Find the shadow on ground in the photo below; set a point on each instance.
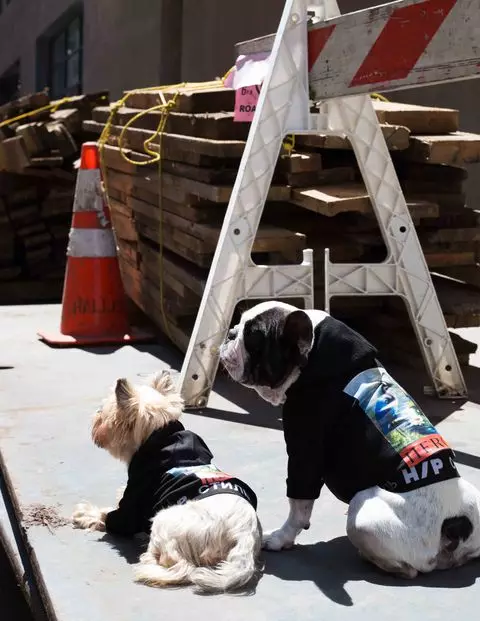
(129, 549)
(333, 564)
(330, 565)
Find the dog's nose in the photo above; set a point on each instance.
(232, 334)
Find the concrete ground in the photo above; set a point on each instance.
(47, 397)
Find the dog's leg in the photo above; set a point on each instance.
(399, 532)
(379, 533)
(89, 517)
(298, 520)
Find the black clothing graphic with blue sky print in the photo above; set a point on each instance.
(350, 426)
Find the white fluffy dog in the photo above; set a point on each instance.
(203, 524)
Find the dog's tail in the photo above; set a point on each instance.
(235, 572)
(153, 574)
(455, 530)
(214, 546)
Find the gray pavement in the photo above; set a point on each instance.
(47, 399)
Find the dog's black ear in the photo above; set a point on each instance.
(298, 330)
(124, 391)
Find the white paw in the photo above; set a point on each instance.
(89, 517)
(277, 540)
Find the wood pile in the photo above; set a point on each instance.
(37, 186)
(317, 199)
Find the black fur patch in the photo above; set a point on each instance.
(273, 350)
(456, 529)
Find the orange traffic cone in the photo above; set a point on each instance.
(94, 302)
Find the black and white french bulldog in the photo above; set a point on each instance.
(350, 426)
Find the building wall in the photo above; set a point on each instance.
(21, 23)
(121, 44)
(212, 27)
(134, 43)
(122, 41)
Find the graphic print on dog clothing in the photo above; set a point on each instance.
(425, 456)
(164, 472)
(206, 480)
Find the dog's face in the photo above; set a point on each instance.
(268, 348)
(131, 413)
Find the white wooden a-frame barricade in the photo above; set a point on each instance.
(340, 59)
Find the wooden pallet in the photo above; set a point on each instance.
(168, 215)
(37, 185)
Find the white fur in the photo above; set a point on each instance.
(212, 543)
(89, 517)
(400, 533)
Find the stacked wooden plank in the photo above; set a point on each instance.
(168, 215)
(37, 185)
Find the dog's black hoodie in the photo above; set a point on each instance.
(350, 426)
(171, 467)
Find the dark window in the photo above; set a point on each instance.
(10, 84)
(66, 60)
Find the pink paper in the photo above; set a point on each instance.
(246, 99)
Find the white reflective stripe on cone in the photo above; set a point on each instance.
(89, 195)
(91, 243)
